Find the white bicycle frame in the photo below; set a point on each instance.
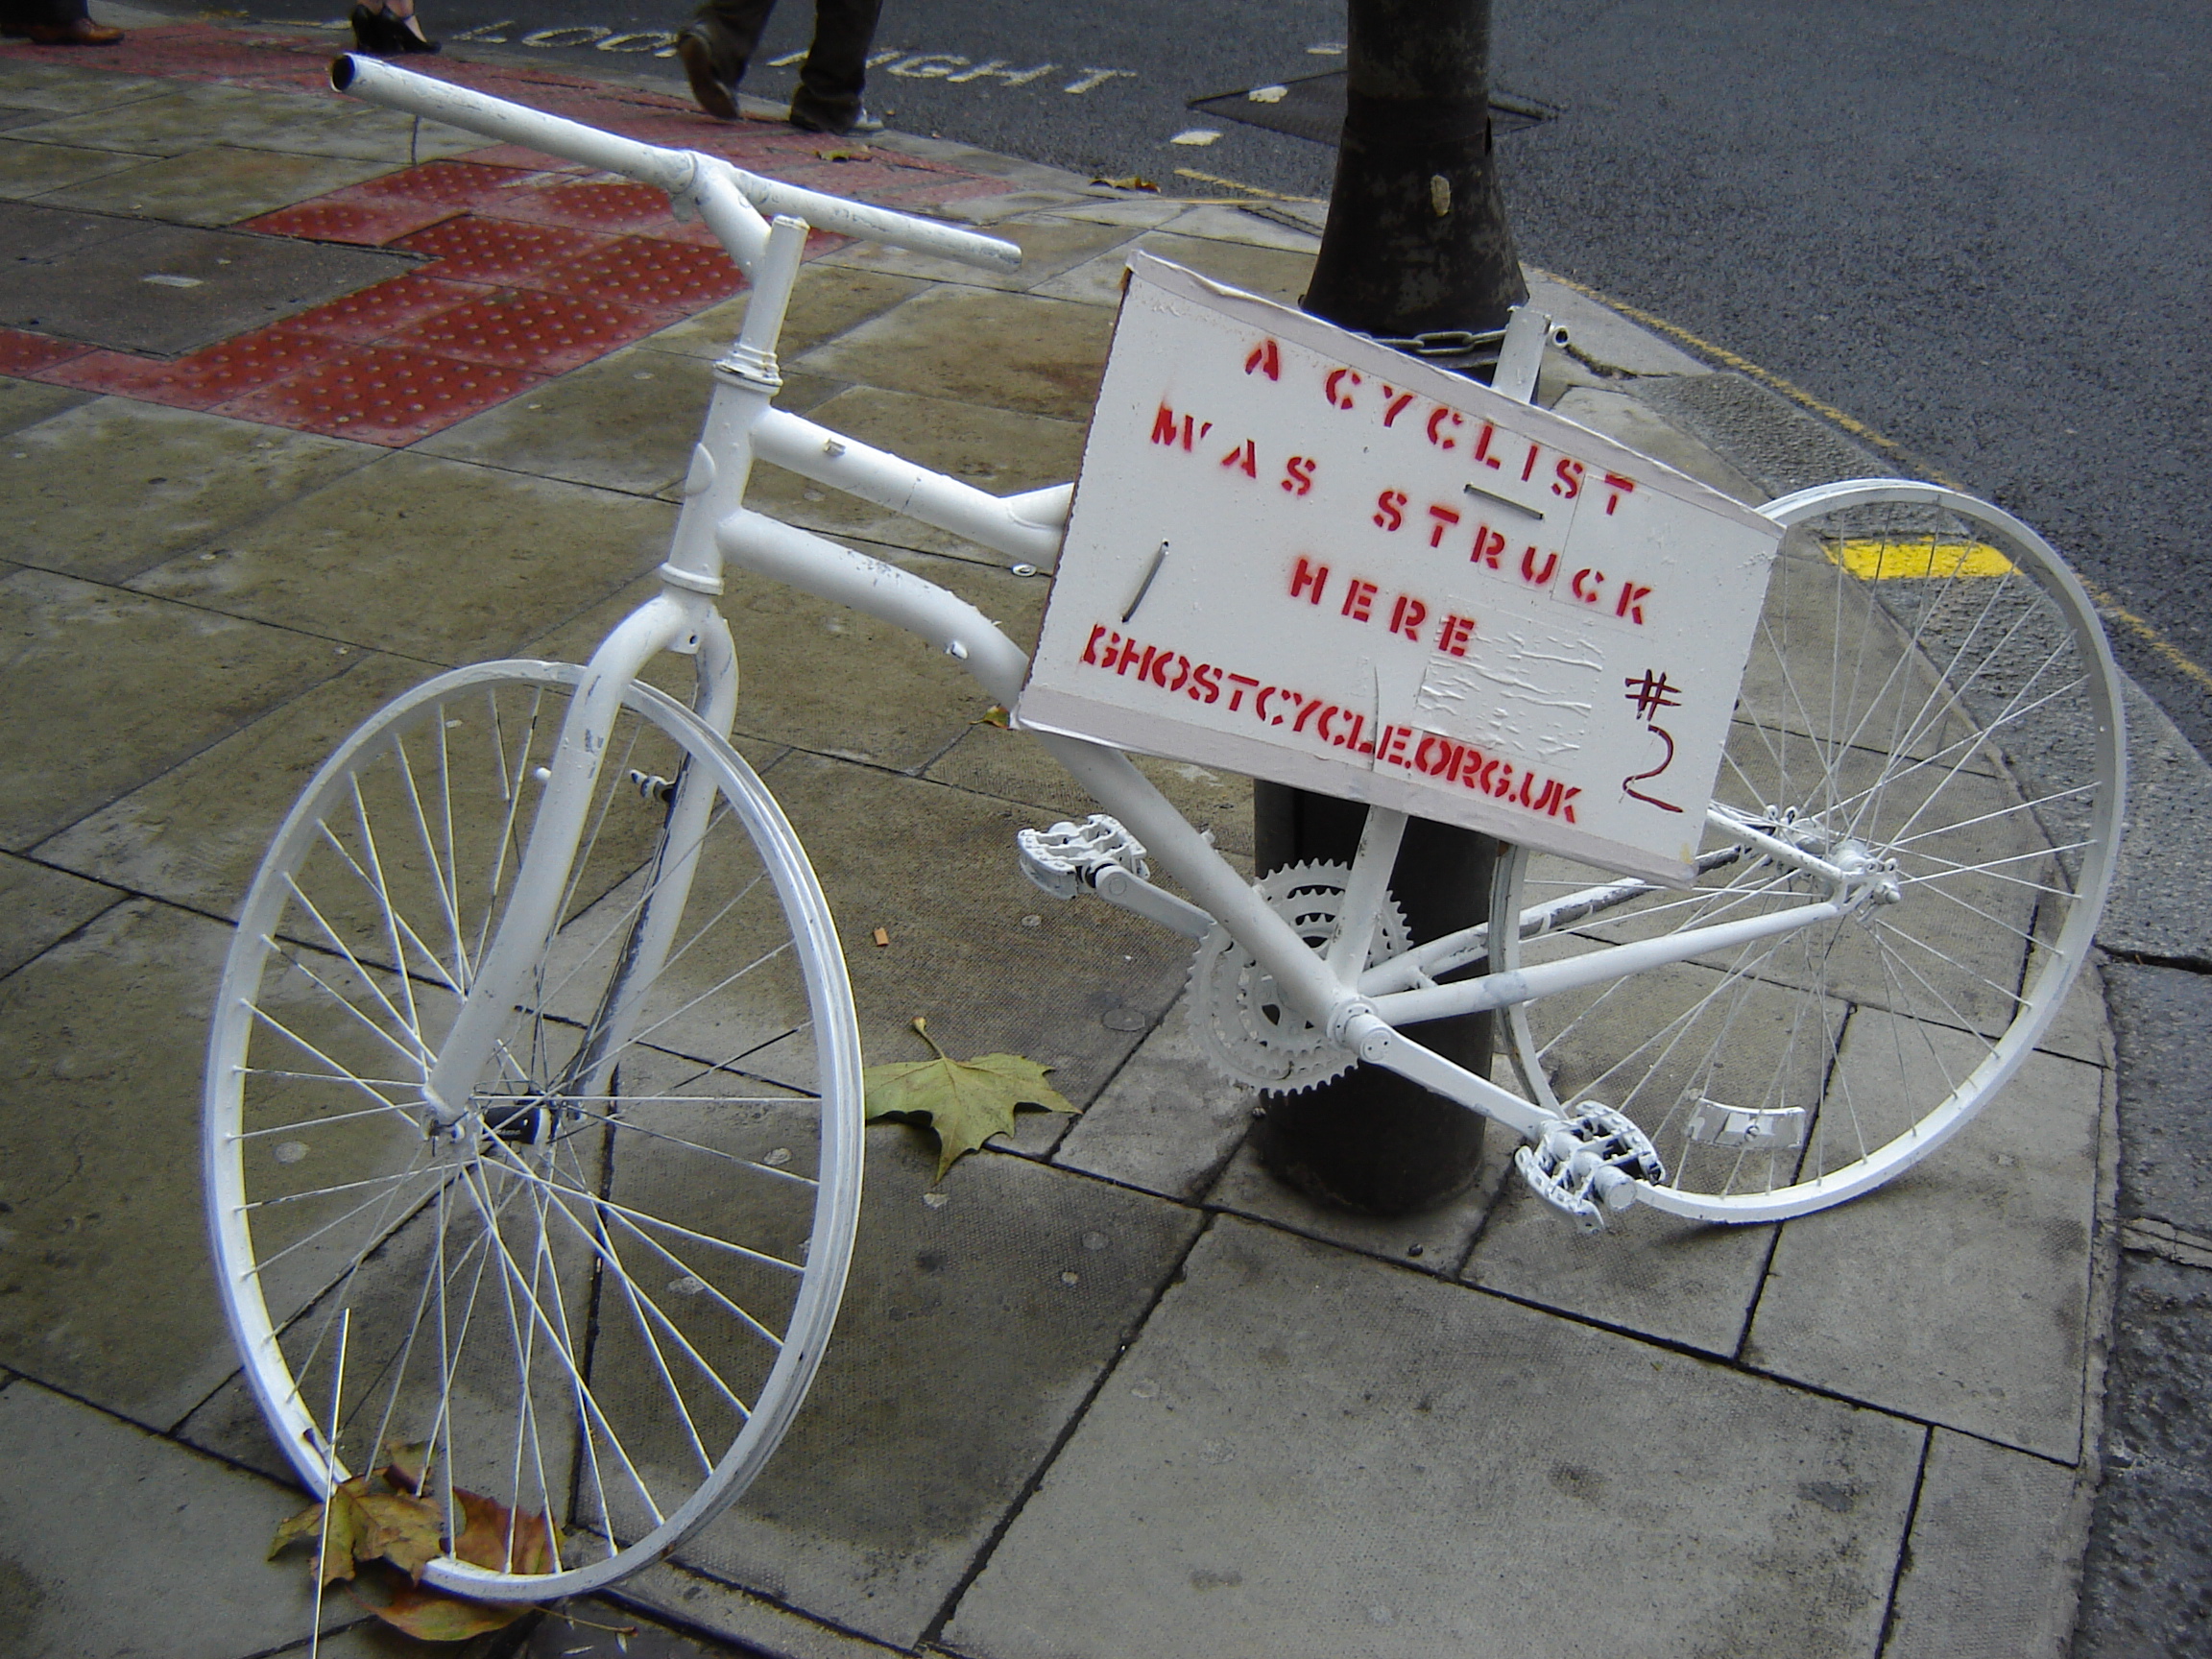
(1359, 1007)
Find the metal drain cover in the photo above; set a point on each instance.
(1313, 106)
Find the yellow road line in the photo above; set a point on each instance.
(1248, 189)
(1887, 561)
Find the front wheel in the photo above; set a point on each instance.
(1929, 691)
(598, 1296)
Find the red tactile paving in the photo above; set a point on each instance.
(376, 312)
(455, 184)
(26, 353)
(366, 223)
(472, 248)
(589, 204)
(543, 333)
(643, 271)
(540, 264)
(204, 378)
(381, 394)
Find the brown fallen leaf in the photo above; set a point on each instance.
(1132, 182)
(425, 1614)
(406, 1467)
(963, 1102)
(503, 1539)
(997, 715)
(346, 1543)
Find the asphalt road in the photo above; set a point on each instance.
(1983, 226)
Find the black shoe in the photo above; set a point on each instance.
(706, 88)
(808, 120)
(408, 40)
(380, 34)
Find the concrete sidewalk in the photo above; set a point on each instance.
(1107, 1391)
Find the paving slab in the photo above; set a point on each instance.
(829, 678)
(1435, 1241)
(998, 450)
(217, 185)
(32, 169)
(1600, 334)
(40, 905)
(105, 1289)
(75, 732)
(1046, 355)
(25, 404)
(1308, 1440)
(1660, 1276)
(194, 835)
(973, 1330)
(221, 283)
(1014, 766)
(1260, 228)
(192, 118)
(1988, 1573)
(2147, 1579)
(2159, 1016)
(371, 559)
(1049, 247)
(66, 89)
(105, 488)
(994, 965)
(826, 301)
(731, 1614)
(1275, 272)
(1767, 437)
(1168, 1121)
(625, 422)
(101, 1517)
(1958, 1292)
(2161, 905)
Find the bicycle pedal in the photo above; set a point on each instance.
(1752, 1128)
(1068, 858)
(1590, 1160)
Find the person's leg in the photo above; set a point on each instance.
(714, 48)
(836, 66)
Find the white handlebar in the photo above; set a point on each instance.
(675, 171)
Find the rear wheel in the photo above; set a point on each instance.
(600, 1295)
(1929, 688)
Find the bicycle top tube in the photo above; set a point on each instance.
(685, 173)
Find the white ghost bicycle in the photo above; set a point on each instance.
(535, 1068)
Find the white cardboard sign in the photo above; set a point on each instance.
(1301, 556)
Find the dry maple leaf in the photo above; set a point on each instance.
(964, 1102)
(344, 1537)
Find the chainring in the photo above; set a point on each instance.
(1237, 1015)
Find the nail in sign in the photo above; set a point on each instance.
(1301, 556)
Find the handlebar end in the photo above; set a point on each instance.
(342, 71)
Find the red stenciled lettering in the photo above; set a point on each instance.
(1321, 726)
(1308, 575)
(1564, 808)
(1259, 705)
(1205, 684)
(1503, 787)
(1586, 585)
(1438, 417)
(1619, 487)
(1453, 640)
(1183, 672)
(1266, 359)
(1145, 664)
(1298, 473)
(1305, 714)
(1407, 616)
(1534, 577)
(1357, 598)
(1488, 545)
(1247, 460)
(1390, 509)
(1243, 683)
(1398, 401)
(1631, 606)
(1157, 673)
(1523, 796)
(1435, 755)
(1351, 739)
(1191, 439)
(1568, 478)
(1483, 445)
(1446, 517)
(1344, 379)
(1090, 645)
(1164, 428)
(1549, 801)
(1529, 467)
(1392, 745)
